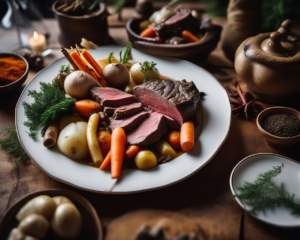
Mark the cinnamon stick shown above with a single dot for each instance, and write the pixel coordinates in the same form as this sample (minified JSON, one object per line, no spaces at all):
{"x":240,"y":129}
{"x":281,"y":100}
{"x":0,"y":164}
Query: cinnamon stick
{"x":67,"y":55}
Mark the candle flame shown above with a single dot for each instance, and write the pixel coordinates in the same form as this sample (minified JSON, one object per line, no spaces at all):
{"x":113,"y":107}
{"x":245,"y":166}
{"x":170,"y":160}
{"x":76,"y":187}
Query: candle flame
{"x":35,"y":35}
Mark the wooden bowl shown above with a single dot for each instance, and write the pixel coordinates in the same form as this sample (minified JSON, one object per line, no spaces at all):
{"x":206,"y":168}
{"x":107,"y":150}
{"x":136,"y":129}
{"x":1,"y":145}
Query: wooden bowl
{"x":272,"y":140}
{"x":189,"y":51}
{"x":91,"y":228}
{"x":73,"y":28}
{"x":18,"y":83}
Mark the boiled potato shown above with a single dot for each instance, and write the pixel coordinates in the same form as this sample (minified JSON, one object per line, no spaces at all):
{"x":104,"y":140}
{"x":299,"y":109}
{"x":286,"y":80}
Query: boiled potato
{"x":16,"y":234}
{"x":61,"y":199}
{"x":138,"y":76}
{"x":163,"y":148}
{"x":43,"y":205}
{"x":66,"y":221}
{"x":116,"y":75}
{"x":104,"y":62}
{"x":67,"y":119}
{"x":34,"y":225}
{"x":145,"y":160}
{"x":72,"y":140}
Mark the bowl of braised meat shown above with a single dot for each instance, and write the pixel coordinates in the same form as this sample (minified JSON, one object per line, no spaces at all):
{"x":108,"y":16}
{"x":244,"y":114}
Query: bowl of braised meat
{"x":179,"y":34}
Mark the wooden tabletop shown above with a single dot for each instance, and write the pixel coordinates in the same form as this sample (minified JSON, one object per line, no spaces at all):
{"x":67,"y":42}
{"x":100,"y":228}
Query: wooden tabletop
{"x":205,"y":197}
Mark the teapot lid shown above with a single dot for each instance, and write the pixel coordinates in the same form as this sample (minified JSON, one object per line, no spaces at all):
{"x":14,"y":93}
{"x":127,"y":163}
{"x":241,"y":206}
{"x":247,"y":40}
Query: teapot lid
{"x":278,"y":44}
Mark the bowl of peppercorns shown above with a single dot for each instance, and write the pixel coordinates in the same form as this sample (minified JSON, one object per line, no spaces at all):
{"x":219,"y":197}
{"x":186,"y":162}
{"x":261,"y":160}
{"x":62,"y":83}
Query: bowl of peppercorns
{"x":280,"y":126}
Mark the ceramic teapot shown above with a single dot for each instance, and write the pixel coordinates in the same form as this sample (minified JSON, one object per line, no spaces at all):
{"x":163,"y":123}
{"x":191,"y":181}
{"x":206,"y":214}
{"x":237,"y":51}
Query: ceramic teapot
{"x":269,"y":63}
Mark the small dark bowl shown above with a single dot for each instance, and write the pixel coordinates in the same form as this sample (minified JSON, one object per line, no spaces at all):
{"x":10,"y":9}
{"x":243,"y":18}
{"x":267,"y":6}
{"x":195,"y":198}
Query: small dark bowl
{"x":91,"y":225}
{"x":18,"y":83}
{"x":272,"y":140}
{"x":189,"y":51}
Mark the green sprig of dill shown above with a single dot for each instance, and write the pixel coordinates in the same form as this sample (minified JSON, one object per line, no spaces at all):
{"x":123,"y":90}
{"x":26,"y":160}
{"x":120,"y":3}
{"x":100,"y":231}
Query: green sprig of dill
{"x":49,"y":104}
{"x":264,"y":194}
{"x":11,"y":145}
{"x":148,"y":66}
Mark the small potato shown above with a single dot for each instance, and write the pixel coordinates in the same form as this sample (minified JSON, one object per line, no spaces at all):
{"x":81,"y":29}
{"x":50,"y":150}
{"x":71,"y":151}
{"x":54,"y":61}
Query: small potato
{"x":61,"y":199}
{"x":16,"y":234}
{"x":34,"y":225}
{"x":67,"y":221}
{"x":163,"y":148}
{"x":138,"y":76}
{"x":72,"y":140}
{"x":145,"y":160}
{"x":143,"y":25}
{"x":43,"y":205}
{"x":116,"y":75}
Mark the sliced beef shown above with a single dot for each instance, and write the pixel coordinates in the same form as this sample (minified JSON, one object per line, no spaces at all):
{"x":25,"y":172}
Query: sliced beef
{"x":124,"y":111}
{"x":111,"y":97}
{"x":149,"y":131}
{"x":176,"y":99}
{"x":171,"y":123}
{"x":182,"y":20}
{"x":128,"y":123}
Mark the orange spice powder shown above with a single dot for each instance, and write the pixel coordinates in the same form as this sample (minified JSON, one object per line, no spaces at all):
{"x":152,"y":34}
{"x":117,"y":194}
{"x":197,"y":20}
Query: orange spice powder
{"x":11,"y":69}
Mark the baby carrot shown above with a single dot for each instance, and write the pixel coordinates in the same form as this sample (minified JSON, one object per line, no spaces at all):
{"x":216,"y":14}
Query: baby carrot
{"x":148,"y":32}
{"x":131,"y":151}
{"x":106,"y":161}
{"x":118,"y":140}
{"x":79,"y":62}
{"x":105,"y":141}
{"x":86,"y":106}
{"x":92,"y":62}
{"x":187,"y":136}
{"x":189,"y":37}
{"x":173,"y":139}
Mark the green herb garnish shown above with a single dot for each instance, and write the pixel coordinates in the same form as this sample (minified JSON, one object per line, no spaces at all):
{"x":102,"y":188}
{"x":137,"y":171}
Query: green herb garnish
{"x":148,"y":66}
{"x":11,"y":145}
{"x":64,"y":68}
{"x":125,"y":57}
{"x":263,"y":193}
{"x":91,"y":113}
{"x":109,"y":57}
{"x":49,"y":104}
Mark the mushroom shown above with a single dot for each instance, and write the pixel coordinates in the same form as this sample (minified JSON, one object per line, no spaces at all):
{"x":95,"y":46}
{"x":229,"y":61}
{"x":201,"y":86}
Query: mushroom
{"x":43,"y":205}
{"x":116,"y":75}
{"x":34,"y":225}
{"x":66,"y":221}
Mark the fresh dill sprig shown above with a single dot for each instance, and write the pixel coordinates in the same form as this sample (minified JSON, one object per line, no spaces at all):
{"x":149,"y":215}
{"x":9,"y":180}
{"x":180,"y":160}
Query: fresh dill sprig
{"x":49,"y":104}
{"x":11,"y":145}
{"x":148,"y":66}
{"x":264,"y":194}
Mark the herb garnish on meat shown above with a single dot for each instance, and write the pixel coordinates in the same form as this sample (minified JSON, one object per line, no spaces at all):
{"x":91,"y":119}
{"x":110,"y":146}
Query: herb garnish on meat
{"x":264,"y":194}
{"x":49,"y":105}
{"x":147,"y":66}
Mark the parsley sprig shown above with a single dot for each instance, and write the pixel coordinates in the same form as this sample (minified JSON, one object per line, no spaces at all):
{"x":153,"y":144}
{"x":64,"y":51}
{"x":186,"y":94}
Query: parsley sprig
{"x":148,"y":66}
{"x":264,"y":194}
{"x":11,"y":145}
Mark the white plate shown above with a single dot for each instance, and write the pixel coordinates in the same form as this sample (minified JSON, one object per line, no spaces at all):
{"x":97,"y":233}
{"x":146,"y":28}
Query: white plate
{"x":248,"y":169}
{"x":216,"y":122}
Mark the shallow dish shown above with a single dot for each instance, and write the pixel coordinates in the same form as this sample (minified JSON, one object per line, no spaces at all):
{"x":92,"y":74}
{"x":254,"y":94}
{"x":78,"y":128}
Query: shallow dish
{"x":18,"y":83}
{"x":91,"y":230}
{"x":216,"y":122}
{"x":272,"y":140}
{"x":190,"y":51}
{"x":248,"y":170}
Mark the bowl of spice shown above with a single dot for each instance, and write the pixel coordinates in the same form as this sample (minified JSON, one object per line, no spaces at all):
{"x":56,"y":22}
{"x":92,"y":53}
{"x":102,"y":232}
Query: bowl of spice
{"x":280,"y":126}
{"x":13,"y":71}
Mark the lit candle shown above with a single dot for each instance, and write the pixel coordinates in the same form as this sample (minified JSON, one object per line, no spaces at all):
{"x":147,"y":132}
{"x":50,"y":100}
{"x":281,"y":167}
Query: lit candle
{"x":37,"y":42}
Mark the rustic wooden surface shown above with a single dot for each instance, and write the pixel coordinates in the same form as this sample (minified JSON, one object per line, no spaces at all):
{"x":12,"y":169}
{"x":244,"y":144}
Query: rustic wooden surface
{"x":205,"y":197}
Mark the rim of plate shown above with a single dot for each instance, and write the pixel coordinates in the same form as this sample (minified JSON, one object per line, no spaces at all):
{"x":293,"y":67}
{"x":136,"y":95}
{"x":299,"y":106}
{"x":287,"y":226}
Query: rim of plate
{"x":233,"y":191}
{"x":127,"y":192}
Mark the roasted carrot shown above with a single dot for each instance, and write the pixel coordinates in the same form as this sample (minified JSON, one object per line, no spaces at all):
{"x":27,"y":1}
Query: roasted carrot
{"x":89,"y":58}
{"x":173,"y":139}
{"x":118,"y":140}
{"x":148,"y":32}
{"x":105,"y":141}
{"x":80,"y":63}
{"x":131,"y":151}
{"x":106,"y":161}
{"x":100,"y":79}
{"x":189,"y":37}
{"x":187,"y":136}
{"x":85,"y":107}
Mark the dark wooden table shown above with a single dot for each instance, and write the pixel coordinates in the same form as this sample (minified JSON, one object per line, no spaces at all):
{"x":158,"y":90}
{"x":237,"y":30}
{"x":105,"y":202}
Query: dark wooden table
{"x":205,"y":197}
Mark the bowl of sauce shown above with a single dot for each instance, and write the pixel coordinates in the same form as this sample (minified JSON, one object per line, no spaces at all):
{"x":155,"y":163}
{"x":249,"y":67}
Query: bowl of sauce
{"x":13,"y":71}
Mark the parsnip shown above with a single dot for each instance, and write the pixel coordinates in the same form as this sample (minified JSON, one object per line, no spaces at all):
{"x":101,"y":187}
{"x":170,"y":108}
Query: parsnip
{"x":92,"y":140}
